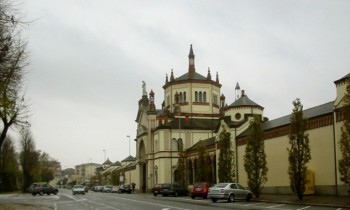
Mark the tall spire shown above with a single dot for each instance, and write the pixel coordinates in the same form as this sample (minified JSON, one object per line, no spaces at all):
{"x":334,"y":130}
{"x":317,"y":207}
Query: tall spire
{"x":172,"y":78}
{"x":191,"y":67}
{"x":237,"y":89}
{"x":209,"y":75}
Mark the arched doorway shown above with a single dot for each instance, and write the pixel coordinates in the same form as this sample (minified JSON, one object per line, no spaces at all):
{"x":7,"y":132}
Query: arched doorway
{"x":143,"y":166}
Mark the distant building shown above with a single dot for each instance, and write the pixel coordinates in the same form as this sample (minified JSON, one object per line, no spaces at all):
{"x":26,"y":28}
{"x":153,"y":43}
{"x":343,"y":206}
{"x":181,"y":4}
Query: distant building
{"x":84,"y":172}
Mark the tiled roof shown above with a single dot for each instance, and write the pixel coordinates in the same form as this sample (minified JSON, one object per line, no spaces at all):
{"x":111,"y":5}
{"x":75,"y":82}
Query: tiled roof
{"x":343,"y":78}
{"x":194,"y":76}
{"x":206,"y":143}
{"x":308,"y":113}
{"x":107,"y":162}
{"x":244,"y":101}
{"x":117,"y":163}
{"x":129,"y":159}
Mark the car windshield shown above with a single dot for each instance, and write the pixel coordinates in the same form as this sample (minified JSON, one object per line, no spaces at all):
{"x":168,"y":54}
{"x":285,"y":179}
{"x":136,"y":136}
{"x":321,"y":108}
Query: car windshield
{"x":78,"y":186}
{"x":167,"y":186}
{"x":220,"y":185}
{"x":199,"y":184}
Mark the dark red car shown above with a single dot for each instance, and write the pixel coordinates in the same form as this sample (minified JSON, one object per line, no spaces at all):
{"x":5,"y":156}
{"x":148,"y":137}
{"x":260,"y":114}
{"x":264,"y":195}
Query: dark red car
{"x":156,"y":189}
{"x":200,"y":189}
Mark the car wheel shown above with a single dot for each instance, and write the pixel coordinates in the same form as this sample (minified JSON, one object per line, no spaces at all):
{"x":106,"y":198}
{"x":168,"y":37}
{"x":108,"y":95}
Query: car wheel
{"x":193,"y":197}
{"x":47,"y":193}
{"x":204,"y":197}
{"x":155,"y":194}
{"x":55,"y":193}
{"x":73,"y":193}
{"x":214,"y":200}
{"x":249,"y":196}
{"x":231,"y":198}
{"x":83,"y":193}
{"x":34,"y":194}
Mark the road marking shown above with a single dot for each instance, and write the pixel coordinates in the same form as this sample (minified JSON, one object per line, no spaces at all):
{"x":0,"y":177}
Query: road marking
{"x":166,"y":206}
{"x":274,"y":206}
{"x":306,"y":207}
{"x":75,"y":198}
{"x":253,"y":204}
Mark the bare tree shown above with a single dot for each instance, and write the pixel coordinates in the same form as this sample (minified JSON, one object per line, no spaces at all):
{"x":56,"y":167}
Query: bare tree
{"x":29,"y":159}
{"x":13,"y":57}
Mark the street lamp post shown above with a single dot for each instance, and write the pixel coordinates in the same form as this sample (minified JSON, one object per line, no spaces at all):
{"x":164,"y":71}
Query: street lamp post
{"x":129,"y":143}
{"x":129,"y":155}
{"x":104,"y":154}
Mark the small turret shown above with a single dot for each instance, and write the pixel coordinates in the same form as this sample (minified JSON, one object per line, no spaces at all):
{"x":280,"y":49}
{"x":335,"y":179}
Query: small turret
{"x":209,"y":75}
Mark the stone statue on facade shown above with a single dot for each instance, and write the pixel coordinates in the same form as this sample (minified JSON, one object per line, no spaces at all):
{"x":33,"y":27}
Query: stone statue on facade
{"x":144,"y":92}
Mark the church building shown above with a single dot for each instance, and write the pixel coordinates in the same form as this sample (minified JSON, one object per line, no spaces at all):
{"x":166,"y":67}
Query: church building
{"x":194,"y":110}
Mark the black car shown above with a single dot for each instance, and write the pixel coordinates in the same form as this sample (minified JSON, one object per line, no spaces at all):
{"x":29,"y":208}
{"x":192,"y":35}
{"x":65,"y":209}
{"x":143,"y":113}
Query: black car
{"x":173,"y":189}
{"x":125,"y":188}
{"x":42,"y":189}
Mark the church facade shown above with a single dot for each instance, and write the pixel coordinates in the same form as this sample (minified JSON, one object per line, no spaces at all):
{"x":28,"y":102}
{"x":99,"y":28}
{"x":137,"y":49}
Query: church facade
{"x":194,"y":110}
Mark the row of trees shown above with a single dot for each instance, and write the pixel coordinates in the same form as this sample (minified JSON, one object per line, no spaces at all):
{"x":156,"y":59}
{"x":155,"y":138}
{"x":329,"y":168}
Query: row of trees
{"x":20,"y":169}
{"x":255,"y":163}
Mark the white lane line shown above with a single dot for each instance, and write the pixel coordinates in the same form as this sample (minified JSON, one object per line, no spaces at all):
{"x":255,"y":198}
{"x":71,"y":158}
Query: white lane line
{"x":76,"y":198}
{"x":155,"y":204}
{"x":253,"y":204}
{"x":306,"y":207}
{"x":274,"y":206}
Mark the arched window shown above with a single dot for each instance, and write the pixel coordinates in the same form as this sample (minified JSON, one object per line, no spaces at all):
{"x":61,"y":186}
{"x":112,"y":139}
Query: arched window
{"x":184,"y":95}
{"x":174,"y":146}
{"x":196,"y":96}
{"x":204,"y":97}
{"x":200,"y":96}
{"x":181,"y":98}
{"x":180,"y":145}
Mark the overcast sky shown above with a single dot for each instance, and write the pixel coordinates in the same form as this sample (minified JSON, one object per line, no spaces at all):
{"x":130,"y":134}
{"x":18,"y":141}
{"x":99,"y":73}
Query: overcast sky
{"x":88,"y":60}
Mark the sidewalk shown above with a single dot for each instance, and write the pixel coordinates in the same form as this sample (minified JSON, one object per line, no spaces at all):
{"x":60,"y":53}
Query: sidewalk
{"x":322,"y":200}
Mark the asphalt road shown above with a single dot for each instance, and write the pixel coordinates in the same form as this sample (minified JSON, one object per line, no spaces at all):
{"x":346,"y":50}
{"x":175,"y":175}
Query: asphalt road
{"x":111,"y":201}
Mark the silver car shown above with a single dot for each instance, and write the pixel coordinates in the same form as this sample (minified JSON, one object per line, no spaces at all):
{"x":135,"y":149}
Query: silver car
{"x":78,"y":189}
{"x":229,"y":192}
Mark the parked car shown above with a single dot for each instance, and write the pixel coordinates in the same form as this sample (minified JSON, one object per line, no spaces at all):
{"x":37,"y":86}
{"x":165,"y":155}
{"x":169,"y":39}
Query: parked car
{"x":33,"y":186}
{"x":97,"y":189}
{"x":173,"y":189}
{"x":125,"y":188}
{"x":115,"y":189}
{"x":156,"y":189}
{"x":86,"y":189}
{"x":78,"y":189}
{"x":200,"y":189}
{"x":229,"y":192}
{"x":44,"y":188}
{"x":107,"y":188}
